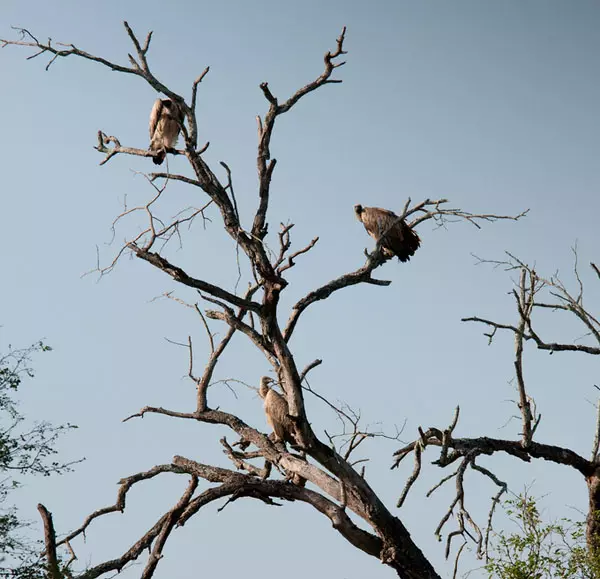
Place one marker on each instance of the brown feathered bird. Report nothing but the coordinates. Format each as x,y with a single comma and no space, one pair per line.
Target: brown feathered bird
165,123
277,411
397,238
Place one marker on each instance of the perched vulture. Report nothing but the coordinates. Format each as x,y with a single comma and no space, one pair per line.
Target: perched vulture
397,238
165,122
276,409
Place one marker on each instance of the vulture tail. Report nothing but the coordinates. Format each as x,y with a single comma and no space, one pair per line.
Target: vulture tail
410,244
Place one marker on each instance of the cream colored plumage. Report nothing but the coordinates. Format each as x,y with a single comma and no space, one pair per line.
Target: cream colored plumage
165,123
277,411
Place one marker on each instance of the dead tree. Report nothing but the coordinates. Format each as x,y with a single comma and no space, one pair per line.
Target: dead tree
336,488
532,294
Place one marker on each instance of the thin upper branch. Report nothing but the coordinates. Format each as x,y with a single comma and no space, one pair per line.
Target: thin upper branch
216,352
435,209
194,131
361,275
527,300
119,505
64,50
541,345
182,277
265,164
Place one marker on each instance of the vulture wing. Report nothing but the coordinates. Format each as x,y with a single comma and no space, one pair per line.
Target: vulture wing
155,115
396,236
276,409
378,221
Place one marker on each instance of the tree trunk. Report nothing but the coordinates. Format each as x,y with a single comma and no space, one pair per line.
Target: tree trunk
405,557
592,534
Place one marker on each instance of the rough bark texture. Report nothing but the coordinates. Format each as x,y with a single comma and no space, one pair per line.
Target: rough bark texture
50,542
592,529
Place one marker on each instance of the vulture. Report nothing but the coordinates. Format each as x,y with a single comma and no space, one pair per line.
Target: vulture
397,238
166,119
276,409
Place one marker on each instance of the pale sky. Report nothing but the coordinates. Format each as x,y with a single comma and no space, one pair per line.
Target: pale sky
493,105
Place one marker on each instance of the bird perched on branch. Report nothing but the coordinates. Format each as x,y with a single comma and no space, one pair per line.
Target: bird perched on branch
277,411
166,119
397,238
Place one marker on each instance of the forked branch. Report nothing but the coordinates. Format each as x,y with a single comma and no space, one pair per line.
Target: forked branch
265,164
425,210
529,289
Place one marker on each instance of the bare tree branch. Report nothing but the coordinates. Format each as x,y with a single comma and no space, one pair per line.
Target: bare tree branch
182,277
525,306
119,505
557,289
104,142
171,519
50,541
265,164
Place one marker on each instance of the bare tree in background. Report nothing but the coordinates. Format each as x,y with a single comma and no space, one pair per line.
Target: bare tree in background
532,294
335,488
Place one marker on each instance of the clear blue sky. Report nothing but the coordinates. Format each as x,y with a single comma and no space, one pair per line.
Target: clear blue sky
491,104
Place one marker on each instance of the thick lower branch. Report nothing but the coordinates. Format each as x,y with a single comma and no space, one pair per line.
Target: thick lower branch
393,545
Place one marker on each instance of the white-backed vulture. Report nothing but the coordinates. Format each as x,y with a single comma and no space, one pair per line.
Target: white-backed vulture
165,122
397,238
277,411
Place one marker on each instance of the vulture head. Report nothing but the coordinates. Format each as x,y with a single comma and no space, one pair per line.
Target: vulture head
264,385
358,209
